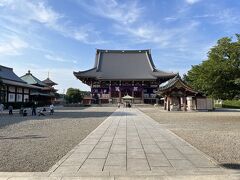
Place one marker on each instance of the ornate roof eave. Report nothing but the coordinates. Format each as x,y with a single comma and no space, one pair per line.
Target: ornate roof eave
49,82
162,74
172,83
16,83
85,74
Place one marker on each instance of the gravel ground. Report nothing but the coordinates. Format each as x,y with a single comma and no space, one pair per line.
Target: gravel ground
37,143
214,133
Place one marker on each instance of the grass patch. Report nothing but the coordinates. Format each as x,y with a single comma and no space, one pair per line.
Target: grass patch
235,104
231,104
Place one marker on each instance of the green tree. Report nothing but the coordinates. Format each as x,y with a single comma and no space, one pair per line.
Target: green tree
219,75
73,95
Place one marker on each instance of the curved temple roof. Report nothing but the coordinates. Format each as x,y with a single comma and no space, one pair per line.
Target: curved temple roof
124,65
30,79
49,82
8,74
173,82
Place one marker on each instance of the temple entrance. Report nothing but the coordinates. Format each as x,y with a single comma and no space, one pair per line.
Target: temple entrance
125,92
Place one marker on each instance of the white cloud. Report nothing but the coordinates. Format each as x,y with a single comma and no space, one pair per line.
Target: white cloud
227,16
21,13
159,37
27,11
128,21
12,45
59,59
125,13
43,14
192,1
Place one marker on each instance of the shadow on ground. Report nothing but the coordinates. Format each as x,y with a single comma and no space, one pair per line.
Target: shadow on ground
22,137
226,110
231,165
60,115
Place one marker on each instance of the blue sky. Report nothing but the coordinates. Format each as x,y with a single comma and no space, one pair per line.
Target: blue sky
62,36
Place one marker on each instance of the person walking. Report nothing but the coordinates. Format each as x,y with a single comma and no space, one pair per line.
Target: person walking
10,110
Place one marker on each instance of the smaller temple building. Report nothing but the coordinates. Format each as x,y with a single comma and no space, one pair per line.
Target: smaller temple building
45,94
177,96
13,89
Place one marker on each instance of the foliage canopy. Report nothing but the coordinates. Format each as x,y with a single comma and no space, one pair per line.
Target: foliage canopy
73,95
219,75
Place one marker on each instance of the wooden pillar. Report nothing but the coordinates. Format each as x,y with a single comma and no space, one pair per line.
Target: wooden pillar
133,94
23,95
29,92
109,91
168,103
179,101
7,94
142,96
119,95
165,103
184,103
120,92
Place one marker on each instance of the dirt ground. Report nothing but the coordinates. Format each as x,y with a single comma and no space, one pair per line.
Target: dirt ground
37,143
215,133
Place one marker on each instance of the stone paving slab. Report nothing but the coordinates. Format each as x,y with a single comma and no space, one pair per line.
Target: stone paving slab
131,145
129,142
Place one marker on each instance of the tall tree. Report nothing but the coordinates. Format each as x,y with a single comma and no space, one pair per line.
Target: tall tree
74,95
219,75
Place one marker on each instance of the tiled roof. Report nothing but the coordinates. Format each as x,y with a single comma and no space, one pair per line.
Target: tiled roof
49,82
8,74
172,82
30,79
16,83
124,64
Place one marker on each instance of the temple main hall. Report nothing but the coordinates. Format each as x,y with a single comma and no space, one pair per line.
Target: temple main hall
119,73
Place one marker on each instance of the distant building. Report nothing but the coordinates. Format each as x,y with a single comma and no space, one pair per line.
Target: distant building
123,72
14,89
45,94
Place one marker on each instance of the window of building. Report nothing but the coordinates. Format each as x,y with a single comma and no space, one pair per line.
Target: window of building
11,97
19,98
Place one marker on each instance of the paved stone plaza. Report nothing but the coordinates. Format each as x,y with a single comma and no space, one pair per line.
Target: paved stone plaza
129,144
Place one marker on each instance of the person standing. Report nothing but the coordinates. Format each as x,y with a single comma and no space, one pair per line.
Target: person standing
1,108
10,110
21,110
34,110
51,109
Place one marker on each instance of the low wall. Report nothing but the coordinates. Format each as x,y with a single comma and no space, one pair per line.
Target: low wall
204,104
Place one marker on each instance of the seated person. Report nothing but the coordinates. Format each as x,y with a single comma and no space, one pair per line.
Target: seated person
42,112
24,112
21,110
